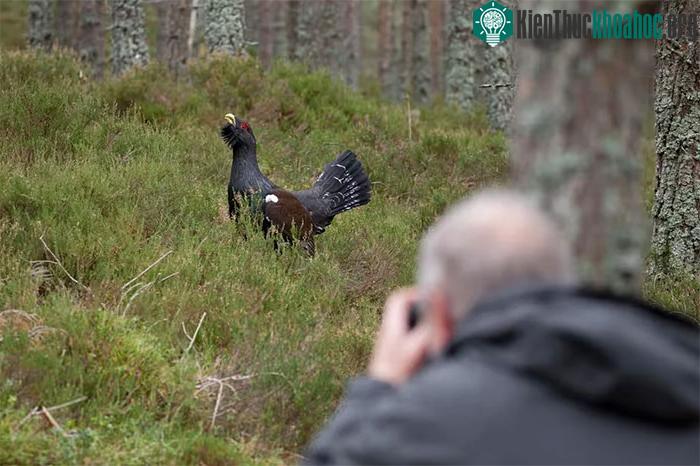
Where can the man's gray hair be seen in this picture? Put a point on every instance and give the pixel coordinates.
(490, 241)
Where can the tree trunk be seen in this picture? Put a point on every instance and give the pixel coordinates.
(224, 29)
(499, 74)
(40, 28)
(266, 37)
(437, 45)
(463, 58)
(308, 36)
(129, 47)
(580, 107)
(385, 41)
(91, 39)
(293, 17)
(252, 22)
(676, 212)
(279, 30)
(67, 22)
(420, 62)
(177, 35)
(162, 10)
(351, 12)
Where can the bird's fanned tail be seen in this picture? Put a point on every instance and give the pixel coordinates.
(343, 184)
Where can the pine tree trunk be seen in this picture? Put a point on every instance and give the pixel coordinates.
(293, 17)
(162, 10)
(462, 68)
(224, 29)
(308, 36)
(67, 22)
(676, 212)
(91, 40)
(40, 28)
(266, 38)
(279, 30)
(394, 87)
(178, 25)
(129, 47)
(577, 130)
(252, 22)
(350, 16)
(437, 45)
(385, 40)
(499, 74)
(420, 62)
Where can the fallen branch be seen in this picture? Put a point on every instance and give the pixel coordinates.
(60, 265)
(195, 332)
(146, 269)
(46, 412)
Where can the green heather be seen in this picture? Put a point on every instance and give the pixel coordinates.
(114, 175)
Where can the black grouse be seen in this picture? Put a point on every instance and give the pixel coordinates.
(341, 186)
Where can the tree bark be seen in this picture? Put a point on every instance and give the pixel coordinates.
(266, 37)
(420, 62)
(385, 40)
(40, 28)
(293, 17)
(350, 16)
(67, 22)
(224, 29)
(463, 65)
(577, 129)
(308, 37)
(499, 73)
(129, 47)
(676, 212)
(437, 45)
(177, 36)
(279, 30)
(91, 39)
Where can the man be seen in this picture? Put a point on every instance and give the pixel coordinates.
(510, 364)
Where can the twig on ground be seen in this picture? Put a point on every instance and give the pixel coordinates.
(222, 383)
(146, 269)
(60, 265)
(194, 335)
(46, 412)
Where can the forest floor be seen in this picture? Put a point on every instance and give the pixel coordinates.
(182, 337)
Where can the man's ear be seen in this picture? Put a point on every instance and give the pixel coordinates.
(442, 320)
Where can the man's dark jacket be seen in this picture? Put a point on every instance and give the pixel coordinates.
(543, 376)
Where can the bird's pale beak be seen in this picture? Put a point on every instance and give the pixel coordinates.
(231, 118)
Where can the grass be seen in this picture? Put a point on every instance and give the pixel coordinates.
(114, 175)
(110, 176)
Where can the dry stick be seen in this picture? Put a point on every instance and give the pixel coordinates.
(52, 421)
(147, 269)
(37, 410)
(216, 406)
(58, 262)
(194, 335)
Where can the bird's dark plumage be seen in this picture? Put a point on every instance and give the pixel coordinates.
(343, 185)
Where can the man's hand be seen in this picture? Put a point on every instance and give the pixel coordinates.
(398, 351)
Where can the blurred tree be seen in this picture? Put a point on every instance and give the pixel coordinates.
(129, 46)
(178, 25)
(280, 11)
(352, 47)
(91, 39)
(676, 212)
(224, 26)
(307, 37)
(40, 28)
(420, 63)
(385, 44)
(499, 76)
(437, 45)
(293, 16)
(252, 22)
(67, 22)
(580, 106)
(463, 64)
(266, 41)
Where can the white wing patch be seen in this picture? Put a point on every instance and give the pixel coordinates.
(272, 198)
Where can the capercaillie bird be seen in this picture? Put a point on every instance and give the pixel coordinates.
(299, 215)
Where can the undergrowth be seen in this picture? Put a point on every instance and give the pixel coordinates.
(102, 180)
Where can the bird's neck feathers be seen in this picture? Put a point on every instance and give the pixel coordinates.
(245, 164)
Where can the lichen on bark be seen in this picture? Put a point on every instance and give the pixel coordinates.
(224, 26)
(676, 211)
(40, 30)
(129, 46)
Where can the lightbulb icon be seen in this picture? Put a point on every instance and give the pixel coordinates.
(493, 21)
